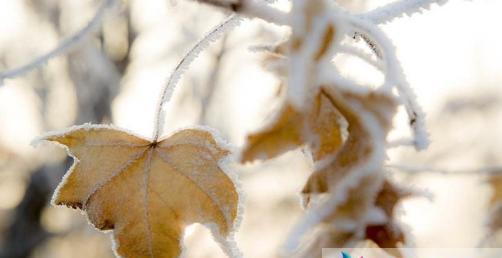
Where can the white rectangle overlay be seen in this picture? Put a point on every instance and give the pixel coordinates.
(412, 253)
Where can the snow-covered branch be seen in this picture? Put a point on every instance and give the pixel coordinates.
(63, 47)
(399, 8)
(360, 53)
(251, 9)
(394, 76)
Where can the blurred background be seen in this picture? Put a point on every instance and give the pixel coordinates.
(451, 56)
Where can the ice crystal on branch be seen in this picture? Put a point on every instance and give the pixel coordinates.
(304, 63)
(400, 8)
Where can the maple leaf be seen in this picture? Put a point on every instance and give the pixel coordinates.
(147, 192)
(349, 224)
(358, 164)
(389, 234)
(369, 117)
(319, 127)
(315, 121)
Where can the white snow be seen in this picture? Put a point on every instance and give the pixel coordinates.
(399, 8)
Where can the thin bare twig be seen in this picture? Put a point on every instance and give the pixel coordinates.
(366, 57)
(63, 47)
(397, 9)
(494, 170)
(395, 77)
(212, 83)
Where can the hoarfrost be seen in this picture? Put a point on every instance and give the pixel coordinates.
(184, 64)
(399, 8)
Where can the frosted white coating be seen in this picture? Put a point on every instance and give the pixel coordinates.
(87, 127)
(305, 75)
(362, 54)
(228, 244)
(261, 9)
(399, 8)
(372, 165)
(400, 142)
(183, 65)
(375, 216)
(303, 66)
(329, 75)
(394, 77)
(300, 60)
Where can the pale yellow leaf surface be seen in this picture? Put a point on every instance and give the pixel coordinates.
(324, 124)
(317, 125)
(319, 128)
(369, 117)
(359, 147)
(147, 192)
(284, 134)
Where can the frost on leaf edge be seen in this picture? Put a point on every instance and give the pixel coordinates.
(228, 243)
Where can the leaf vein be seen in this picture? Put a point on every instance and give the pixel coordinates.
(217, 203)
(100, 185)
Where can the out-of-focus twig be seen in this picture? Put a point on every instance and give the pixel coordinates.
(63, 47)
(397, 9)
(212, 83)
(416, 169)
(25, 232)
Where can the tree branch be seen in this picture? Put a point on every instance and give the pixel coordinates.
(396, 9)
(251, 9)
(63, 47)
(415, 169)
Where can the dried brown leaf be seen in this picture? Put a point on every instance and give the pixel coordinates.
(147, 192)
(496, 184)
(359, 147)
(389, 234)
(354, 210)
(494, 222)
(319, 128)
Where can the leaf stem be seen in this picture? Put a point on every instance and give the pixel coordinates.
(167, 91)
